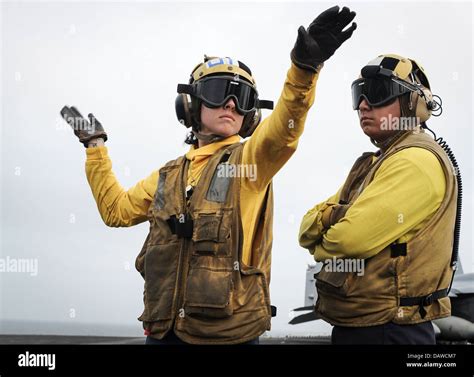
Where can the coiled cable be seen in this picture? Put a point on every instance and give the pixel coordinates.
(457, 225)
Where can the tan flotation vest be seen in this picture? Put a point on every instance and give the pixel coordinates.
(195, 281)
(405, 283)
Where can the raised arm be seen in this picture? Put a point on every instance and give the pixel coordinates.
(276, 139)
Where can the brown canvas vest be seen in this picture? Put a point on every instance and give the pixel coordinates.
(195, 280)
(404, 283)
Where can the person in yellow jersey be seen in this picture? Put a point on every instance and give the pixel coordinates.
(206, 260)
(395, 213)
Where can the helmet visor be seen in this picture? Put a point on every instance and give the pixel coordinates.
(376, 91)
(216, 91)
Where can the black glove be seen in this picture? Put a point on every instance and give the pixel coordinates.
(323, 37)
(85, 130)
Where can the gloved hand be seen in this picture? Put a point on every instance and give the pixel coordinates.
(323, 37)
(332, 214)
(85, 130)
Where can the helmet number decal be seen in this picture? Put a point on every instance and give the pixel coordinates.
(219, 61)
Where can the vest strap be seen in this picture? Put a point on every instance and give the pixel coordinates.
(182, 227)
(398, 249)
(423, 301)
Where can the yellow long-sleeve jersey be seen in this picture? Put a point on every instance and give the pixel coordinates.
(406, 191)
(269, 148)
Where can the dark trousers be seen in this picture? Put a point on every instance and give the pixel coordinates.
(171, 338)
(389, 333)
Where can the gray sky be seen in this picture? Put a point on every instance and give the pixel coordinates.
(122, 61)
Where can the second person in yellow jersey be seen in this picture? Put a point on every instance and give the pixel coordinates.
(395, 213)
(206, 260)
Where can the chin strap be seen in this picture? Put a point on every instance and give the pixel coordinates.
(384, 145)
(208, 138)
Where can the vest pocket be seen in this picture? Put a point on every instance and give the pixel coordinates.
(160, 231)
(332, 282)
(211, 233)
(209, 292)
(161, 265)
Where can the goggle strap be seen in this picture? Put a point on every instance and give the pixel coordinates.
(406, 85)
(264, 104)
(373, 71)
(185, 89)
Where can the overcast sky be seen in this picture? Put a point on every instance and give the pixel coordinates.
(122, 61)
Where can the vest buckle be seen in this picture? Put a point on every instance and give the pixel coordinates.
(428, 300)
(398, 250)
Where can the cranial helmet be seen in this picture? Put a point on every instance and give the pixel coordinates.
(390, 76)
(213, 82)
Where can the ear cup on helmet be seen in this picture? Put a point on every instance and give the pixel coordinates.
(183, 107)
(422, 104)
(425, 105)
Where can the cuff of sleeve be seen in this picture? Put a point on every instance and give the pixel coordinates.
(302, 76)
(326, 215)
(324, 208)
(320, 254)
(97, 153)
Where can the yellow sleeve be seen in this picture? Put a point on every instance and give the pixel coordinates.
(406, 191)
(276, 138)
(311, 228)
(117, 207)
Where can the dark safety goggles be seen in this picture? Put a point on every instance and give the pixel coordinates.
(378, 91)
(216, 91)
